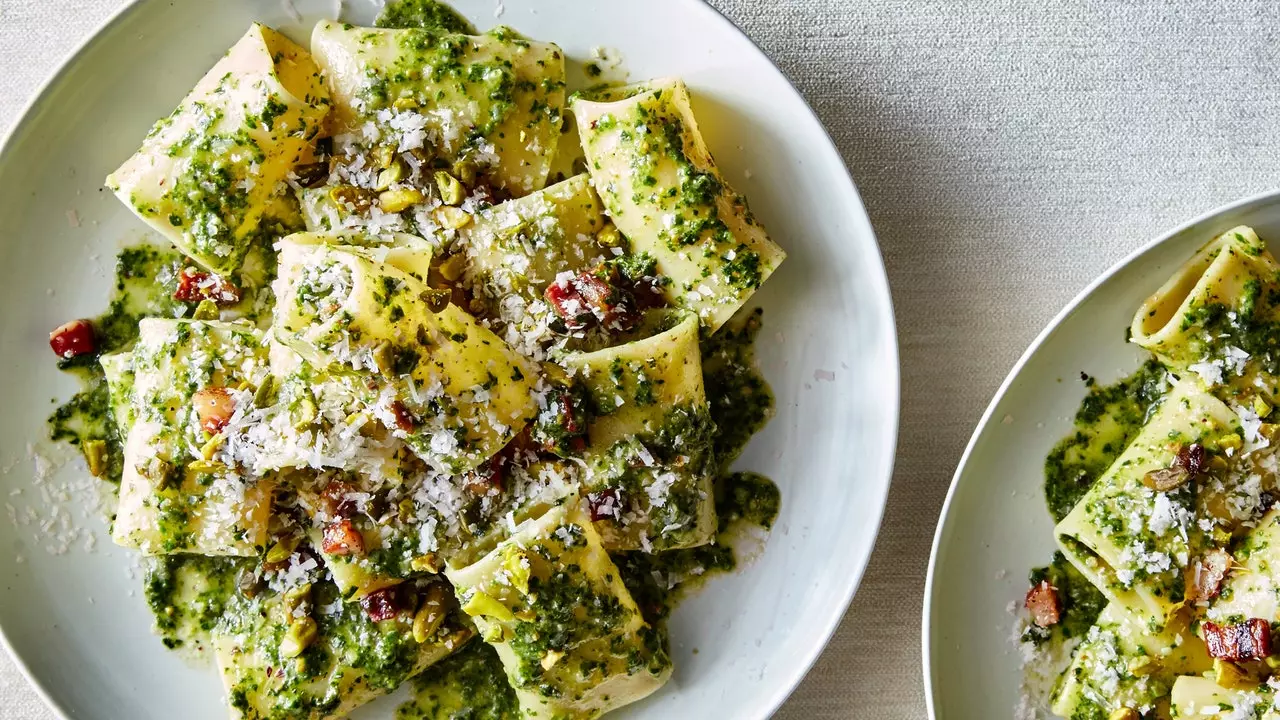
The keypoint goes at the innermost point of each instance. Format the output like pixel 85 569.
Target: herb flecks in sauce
pixel 424 14
pixel 1107 420
pixel 741 402
pixel 145 280
pixel 468 684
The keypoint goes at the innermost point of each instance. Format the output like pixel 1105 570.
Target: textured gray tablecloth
pixel 1008 152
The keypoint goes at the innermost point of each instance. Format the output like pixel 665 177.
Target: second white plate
pixel 995 525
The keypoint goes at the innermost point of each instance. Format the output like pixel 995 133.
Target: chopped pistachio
pixel 392 175
pixel 436 300
pixel 311 175
pixel 550 659
pixel 1261 406
pixel 265 393
pixel 157 470
pixel 453 267
pixel 1233 677
pixel 451 190
pixel 350 197
pixel 1268 430
pixel 384 357
pixel 307 413
pixel 435 606
pixel 426 563
pixel 400 199
pixel 301 633
pixel 204 467
pixel 282 549
pixel 210 448
pixel 385 155
pixel 464 168
pixel 1230 441
pixel 404 103
pixel 482 604
pixel 206 310
pixel 452 217
pixel 456 638
pixel 1272 662
pixel 1221 536
pixel 516 563
pixel 95 454
pixel 406 508
pixel 1124 713
pixel 526 615
pixel 609 236
pixel 494 634
pixel 1141 665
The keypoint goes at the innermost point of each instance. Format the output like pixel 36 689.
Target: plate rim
pixel 945 515
pixel 889 417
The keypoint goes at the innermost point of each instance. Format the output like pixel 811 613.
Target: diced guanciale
pixel 1205 576
pixel 214 407
pixel 196 285
pixel 73 339
pixel 588 299
pixel 1249 640
pixel 342 538
pixel 1043 602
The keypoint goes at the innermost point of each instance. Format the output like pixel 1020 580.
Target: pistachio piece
pixel 210 447
pixel 451 190
pixel 206 310
pixel 1166 479
pixel 95 454
pixel 307 413
pixel 350 198
pixel 426 563
pixel 434 608
pixel 436 300
pixel 392 175
pixel 404 103
pixel 159 471
pixel 196 468
pixel 1232 676
pixel 282 549
pixel 296 598
pixel 464 168
pixel 311 175
pixel 384 357
pixel 452 217
pixel 482 604
pixel 609 236
pixel 516 563
pixel 265 393
pixel 385 155
pixel 400 199
pixel 1261 406
pixel 301 633
pixel 1142 665
pixel 550 659
pixel 453 267
pixel 1230 441
pixel 1124 713
pixel 494 634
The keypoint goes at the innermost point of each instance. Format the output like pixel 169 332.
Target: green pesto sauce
pixel 424 14
pixel 1108 418
pixel 468 685
pixel 741 401
pixel 188 595
pixel 741 498
pixel 145 281
pixel 1081 601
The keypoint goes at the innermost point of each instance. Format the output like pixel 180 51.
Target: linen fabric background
pixel 1008 152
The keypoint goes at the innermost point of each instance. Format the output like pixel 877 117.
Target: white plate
pixel 995 525
pixel 80 624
